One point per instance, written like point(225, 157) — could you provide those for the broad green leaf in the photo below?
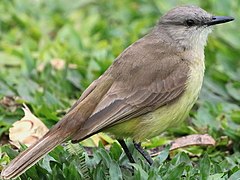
point(115, 171)
point(205, 167)
point(235, 176)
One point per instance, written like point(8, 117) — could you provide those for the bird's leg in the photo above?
point(126, 150)
point(144, 153)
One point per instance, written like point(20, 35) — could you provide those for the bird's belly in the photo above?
point(154, 123)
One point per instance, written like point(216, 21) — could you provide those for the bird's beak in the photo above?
point(219, 20)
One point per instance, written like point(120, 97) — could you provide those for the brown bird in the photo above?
point(151, 86)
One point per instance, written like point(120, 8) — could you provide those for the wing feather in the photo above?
point(145, 86)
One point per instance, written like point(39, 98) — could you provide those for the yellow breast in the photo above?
point(154, 123)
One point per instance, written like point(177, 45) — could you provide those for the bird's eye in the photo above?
point(190, 22)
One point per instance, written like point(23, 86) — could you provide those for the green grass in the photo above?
point(90, 34)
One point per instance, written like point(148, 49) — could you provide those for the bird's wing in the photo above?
point(144, 87)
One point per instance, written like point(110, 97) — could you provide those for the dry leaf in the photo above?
point(10, 103)
point(93, 141)
point(28, 130)
point(58, 64)
point(190, 140)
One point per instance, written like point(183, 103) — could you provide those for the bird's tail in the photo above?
point(30, 156)
point(59, 133)
point(71, 124)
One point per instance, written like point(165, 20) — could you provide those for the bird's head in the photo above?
point(189, 26)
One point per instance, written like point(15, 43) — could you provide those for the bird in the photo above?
point(151, 86)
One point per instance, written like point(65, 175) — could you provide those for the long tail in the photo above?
point(30, 156)
point(71, 123)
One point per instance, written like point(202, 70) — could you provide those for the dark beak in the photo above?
point(219, 20)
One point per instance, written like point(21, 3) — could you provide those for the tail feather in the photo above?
point(71, 124)
point(30, 156)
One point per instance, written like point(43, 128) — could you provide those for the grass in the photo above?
point(88, 36)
